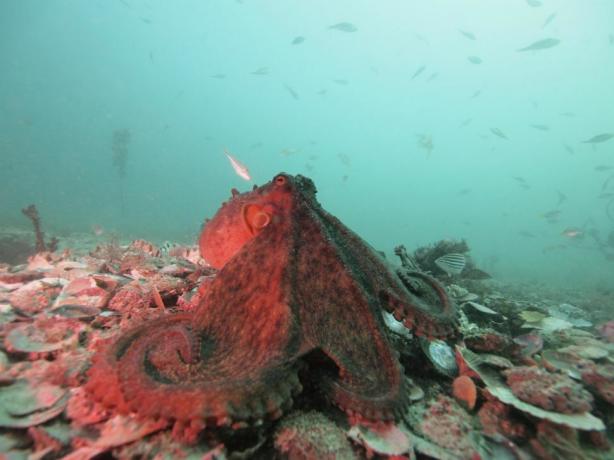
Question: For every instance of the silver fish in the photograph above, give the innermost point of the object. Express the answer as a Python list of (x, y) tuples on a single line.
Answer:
[(469, 35), (541, 127), (418, 72), (261, 71), (603, 167), (599, 138), (497, 132), (293, 93), (344, 27), (452, 263), (298, 40), (548, 20), (541, 45), (475, 59), (534, 3)]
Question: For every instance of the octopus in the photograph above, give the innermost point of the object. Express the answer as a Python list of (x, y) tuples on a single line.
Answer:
[(293, 282)]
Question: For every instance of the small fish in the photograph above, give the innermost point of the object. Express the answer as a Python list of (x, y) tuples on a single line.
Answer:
[(541, 45), (541, 127), (151, 57), (476, 94), (475, 59), (551, 215), (562, 198), (497, 132), (432, 77), (256, 145), (298, 40), (345, 159), (548, 20), (569, 149), (239, 167), (452, 263), (526, 234), (97, 230), (568, 114), (322, 92), (520, 179), (606, 195), (344, 27), (465, 122), (418, 72), (599, 138), (534, 3), (556, 247), (464, 191), (607, 182), (341, 81), (572, 233), (603, 167), (219, 76), (293, 93), (469, 35), (288, 152), (261, 71), (146, 20)]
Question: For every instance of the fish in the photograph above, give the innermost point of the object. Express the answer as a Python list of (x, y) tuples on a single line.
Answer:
[(345, 159), (97, 230), (562, 198), (607, 182), (475, 59), (288, 152), (568, 114), (569, 149), (469, 35), (256, 145), (298, 40), (418, 72), (452, 263), (261, 71), (497, 132), (603, 167), (465, 122), (293, 93), (526, 234), (572, 232), (322, 92), (551, 215), (599, 138), (432, 77), (219, 76), (606, 195), (548, 20), (341, 81), (541, 44), (556, 247), (476, 94), (464, 191), (541, 127), (344, 27), (239, 167), (522, 180), (534, 3), (425, 142)]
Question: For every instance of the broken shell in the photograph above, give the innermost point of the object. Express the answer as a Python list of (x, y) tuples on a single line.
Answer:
[(383, 440)]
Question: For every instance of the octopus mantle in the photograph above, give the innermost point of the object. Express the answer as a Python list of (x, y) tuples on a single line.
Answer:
[(292, 279)]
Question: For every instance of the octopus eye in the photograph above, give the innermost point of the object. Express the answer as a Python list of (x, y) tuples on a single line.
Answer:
[(280, 180)]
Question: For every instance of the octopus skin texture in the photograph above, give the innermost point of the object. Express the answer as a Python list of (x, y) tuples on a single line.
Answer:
[(292, 279)]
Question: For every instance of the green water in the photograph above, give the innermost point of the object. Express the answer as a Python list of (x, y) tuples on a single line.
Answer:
[(190, 78)]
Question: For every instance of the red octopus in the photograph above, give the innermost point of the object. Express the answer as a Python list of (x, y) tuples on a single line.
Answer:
[(292, 279)]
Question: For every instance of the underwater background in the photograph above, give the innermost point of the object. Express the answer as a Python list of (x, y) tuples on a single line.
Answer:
[(417, 120)]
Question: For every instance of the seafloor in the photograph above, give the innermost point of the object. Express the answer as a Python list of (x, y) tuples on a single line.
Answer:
[(531, 376)]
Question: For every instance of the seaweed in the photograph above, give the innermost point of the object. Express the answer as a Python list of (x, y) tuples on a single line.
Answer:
[(120, 143), (32, 213)]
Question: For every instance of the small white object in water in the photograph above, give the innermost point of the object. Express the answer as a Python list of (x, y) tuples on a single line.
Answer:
[(452, 263), (239, 167)]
